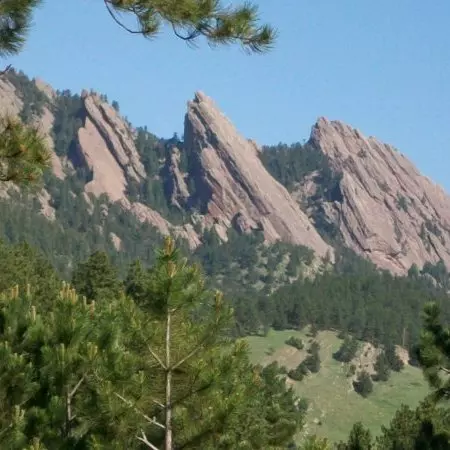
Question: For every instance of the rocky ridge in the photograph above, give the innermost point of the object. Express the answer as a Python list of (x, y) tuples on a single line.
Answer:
[(386, 210), (382, 207), (234, 187)]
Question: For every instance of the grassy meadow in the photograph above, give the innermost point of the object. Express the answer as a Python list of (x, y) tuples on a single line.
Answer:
[(333, 405)]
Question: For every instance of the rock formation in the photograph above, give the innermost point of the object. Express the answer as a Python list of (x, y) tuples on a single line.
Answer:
[(105, 145), (234, 187), (388, 211)]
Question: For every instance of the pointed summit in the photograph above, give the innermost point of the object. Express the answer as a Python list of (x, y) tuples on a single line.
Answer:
[(233, 186)]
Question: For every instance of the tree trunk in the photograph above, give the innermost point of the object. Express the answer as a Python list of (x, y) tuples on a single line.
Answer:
[(168, 441)]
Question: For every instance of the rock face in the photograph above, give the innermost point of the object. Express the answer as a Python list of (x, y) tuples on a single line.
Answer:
[(106, 147), (387, 210), (234, 187), (179, 192)]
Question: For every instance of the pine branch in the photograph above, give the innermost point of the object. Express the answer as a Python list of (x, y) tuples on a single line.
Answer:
[(195, 350), (150, 420), (158, 359), (69, 399), (147, 442), (118, 22)]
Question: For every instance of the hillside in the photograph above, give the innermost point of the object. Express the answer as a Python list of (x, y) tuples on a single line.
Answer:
[(339, 189), (334, 406)]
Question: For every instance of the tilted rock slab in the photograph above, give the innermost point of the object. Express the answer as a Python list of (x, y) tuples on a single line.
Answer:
[(389, 212), (234, 185)]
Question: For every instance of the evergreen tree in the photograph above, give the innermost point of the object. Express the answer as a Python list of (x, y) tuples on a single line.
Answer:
[(425, 428), (395, 363), (433, 352), (191, 19), (347, 350), (381, 367), (359, 439), (205, 392), (15, 23), (23, 153), (363, 385), (53, 356), (97, 278)]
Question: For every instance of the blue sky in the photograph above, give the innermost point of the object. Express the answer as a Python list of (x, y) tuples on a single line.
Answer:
[(383, 67)]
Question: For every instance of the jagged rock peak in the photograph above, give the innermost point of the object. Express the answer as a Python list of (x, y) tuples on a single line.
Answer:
[(235, 187), (389, 211), (106, 146)]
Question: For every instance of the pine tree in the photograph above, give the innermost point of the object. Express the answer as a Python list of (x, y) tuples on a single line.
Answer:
[(433, 352), (425, 428), (57, 362), (23, 152), (363, 385), (359, 438), (192, 19), (205, 393), (381, 367), (97, 278), (395, 363)]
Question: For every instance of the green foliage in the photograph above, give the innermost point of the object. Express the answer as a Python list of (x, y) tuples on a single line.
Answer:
[(310, 364), (363, 384), (382, 368), (402, 203), (54, 353), (423, 428), (359, 439), (191, 19), (97, 278), (439, 272), (371, 305), (433, 352), (67, 121), (86, 375), (32, 97), (23, 153), (392, 358), (315, 443), (292, 165), (16, 17), (295, 342), (347, 351), (20, 265)]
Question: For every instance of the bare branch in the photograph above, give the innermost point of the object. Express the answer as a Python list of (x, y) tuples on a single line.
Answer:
[(77, 386), (147, 418), (156, 357), (444, 370), (147, 442)]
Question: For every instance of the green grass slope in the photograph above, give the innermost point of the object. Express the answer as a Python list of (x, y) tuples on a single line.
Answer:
[(333, 405)]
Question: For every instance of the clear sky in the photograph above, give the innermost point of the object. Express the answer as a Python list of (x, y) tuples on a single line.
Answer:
[(383, 67)]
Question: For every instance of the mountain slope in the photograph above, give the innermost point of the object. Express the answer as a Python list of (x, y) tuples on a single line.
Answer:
[(340, 189), (234, 187), (385, 209)]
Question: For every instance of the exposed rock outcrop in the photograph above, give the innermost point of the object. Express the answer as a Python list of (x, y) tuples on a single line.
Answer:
[(388, 211), (106, 147), (11, 103), (179, 192), (233, 184)]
